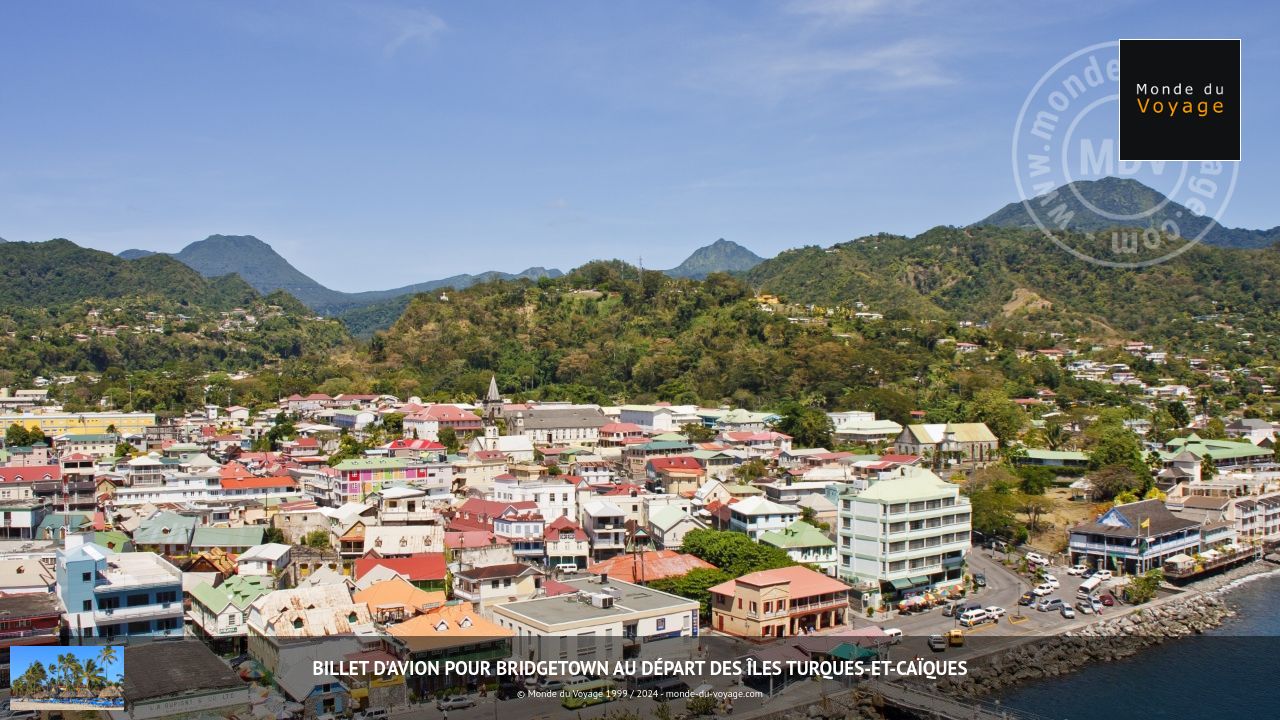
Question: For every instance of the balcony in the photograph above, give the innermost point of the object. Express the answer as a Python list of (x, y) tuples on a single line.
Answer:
[(818, 604), (140, 612)]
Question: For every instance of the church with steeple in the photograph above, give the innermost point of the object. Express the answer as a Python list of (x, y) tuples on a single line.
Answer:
[(492, 402)]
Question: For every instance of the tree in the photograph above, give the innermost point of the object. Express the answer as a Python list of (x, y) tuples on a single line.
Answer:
[(693, 585), (993, 503), (348, 447), (124, 450), (1116, 445), (1056, 435), (393, 424), (1004, 418), (318, 539), (1142, 588), (735, 553), (1035, 480), (697, 432), (1113, 480), (1178, 413), (449, 438), (808, 426), (751, 471), (273, 534), (18, 436)]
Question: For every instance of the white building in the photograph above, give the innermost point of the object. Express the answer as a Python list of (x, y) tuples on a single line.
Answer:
[(599, 620), (908, 531), (757, 515)]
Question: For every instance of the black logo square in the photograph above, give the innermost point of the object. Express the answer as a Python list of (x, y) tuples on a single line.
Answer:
[(1180, 100)]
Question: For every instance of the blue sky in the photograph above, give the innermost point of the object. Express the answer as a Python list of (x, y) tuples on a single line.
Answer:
[(23, 656), (382, 142)]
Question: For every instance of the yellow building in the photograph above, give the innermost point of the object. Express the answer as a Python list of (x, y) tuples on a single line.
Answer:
[(90, 423)]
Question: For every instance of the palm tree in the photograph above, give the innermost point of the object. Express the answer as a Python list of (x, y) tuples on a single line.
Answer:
[(92, 676), (106, 655)]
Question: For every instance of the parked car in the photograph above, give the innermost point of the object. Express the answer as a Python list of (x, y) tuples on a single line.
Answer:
[(1096, 604), (937, 643), (979, 580), (1037, 559), (454, 702), (977, 616), (1107, 599), (1049, 604), (371, 714), (1043, 589), (1090, 572), (995, 611), (1077, 570), (1051, 580), (895, 635), (551, 685), (959, 607), (1027, 598), (1067, 611), (1085, 606), (1104, 574)]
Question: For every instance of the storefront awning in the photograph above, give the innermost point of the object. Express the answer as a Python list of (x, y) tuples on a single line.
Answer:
[(920, 580), (952, 562), (900, 584)]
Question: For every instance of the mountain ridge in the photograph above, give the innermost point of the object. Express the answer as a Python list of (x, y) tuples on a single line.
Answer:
[(720, 256), (1126, 196)]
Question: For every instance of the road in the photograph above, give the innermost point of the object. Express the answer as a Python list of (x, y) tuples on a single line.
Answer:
[(1004, 587)]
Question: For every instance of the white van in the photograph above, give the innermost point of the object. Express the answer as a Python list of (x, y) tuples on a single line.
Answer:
[(566, 568), (974, 617), (371, 714), (895, 635), (1088, 586)]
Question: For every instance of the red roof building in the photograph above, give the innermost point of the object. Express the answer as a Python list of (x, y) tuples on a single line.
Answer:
[(426, 571)]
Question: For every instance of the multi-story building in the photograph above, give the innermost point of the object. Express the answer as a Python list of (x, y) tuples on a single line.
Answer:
[(92, 444), (108, 595), (756, 516), (560, 426), (1133, 538), (566, 544), (361, 477), (221, 612), (605, 524), (779, 603), (57, 423), (601, 618), (27, 619), (805, 544), (493, 584), (555, 496), (908, 533)]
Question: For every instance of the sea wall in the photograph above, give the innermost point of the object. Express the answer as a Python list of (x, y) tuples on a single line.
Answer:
[(1103, 641)]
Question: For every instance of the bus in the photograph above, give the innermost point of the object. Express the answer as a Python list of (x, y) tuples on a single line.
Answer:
[(595, 692), (1088, 586)]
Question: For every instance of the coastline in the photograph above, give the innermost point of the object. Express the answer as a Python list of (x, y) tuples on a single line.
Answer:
[(1200, 606)]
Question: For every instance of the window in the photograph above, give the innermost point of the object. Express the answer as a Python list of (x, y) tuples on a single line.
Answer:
[(662, 623), (86, 577), (88, 605)]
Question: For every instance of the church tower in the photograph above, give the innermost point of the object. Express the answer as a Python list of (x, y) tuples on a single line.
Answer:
[(492, 402)]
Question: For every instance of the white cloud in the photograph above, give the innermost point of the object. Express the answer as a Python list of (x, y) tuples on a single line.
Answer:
[(846, 10)]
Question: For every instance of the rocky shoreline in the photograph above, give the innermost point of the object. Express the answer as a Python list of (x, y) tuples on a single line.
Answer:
[(1200, 607)]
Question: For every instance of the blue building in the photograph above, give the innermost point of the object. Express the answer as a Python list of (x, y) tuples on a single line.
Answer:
[(111, 595)]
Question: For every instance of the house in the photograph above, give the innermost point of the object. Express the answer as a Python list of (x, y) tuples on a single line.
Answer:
[(1251, 430), (1225, 454), (229, 540), (740, 420), (599, 618), (554, 497), (292, 617), (26, 575), (425, 571), (449, 632), (92, 444), (395, 600), (756, 516), (862, 427), (162, 677), (823, 509), (605, 524), (805, 544), (566, 543), (517, 448), (165, 532), (403, 540), (488, 586), (110, 595), (1038, 457), (669, 524), (220, 612), (969, 442), (616, 434), (675, 474), (268, 559), (462, 422), (906, 534), (779, 603), (27, 619), (648, 566), (559, 426), (1133, 538), (354, 420)]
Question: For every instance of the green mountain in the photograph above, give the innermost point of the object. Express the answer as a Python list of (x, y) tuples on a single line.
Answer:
[(1127, 197), (1006, 275), (58, 272), (720, 256), (267, 271), (134, 254)]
